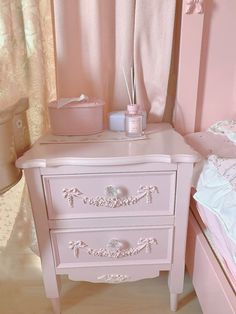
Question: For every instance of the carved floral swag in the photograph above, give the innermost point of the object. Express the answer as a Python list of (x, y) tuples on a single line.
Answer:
[(26, 70)]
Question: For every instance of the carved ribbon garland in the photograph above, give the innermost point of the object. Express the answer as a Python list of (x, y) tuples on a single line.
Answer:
[(113, 248), (112, 202)]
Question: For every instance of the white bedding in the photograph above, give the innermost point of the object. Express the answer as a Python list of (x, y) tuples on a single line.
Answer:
[(215, 176), (217, 192)]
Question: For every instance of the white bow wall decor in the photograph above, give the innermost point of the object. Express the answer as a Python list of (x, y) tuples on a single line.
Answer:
[(194, 6)]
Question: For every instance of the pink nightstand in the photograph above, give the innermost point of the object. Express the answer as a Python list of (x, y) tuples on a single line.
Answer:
[(111, 212)]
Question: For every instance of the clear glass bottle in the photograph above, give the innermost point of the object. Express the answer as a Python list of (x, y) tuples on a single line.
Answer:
[(133, 121)]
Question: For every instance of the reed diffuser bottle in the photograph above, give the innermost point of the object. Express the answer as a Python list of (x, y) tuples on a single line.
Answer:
[(133, 121), (133, 116)]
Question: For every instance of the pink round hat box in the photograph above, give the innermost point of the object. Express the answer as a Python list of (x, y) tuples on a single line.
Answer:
[(76, 117)]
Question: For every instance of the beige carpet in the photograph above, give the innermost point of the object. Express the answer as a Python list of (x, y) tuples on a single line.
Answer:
[(21, 291)]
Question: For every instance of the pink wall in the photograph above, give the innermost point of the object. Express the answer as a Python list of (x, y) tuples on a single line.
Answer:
[(217, 79)]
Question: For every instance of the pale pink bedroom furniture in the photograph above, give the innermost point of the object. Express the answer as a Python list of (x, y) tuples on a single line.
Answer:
[(138, 240), (111, 212)]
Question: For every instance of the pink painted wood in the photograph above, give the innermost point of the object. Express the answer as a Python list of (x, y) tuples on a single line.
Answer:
[(110, 245), (63, 203), (100, 241), (113, 274), (211, 285), (183, 185), (116, 153), (51, 281), (188, 71), (224, 246)]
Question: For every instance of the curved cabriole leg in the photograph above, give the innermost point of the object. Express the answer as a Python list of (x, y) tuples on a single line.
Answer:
[(173, 301), (56, 305)]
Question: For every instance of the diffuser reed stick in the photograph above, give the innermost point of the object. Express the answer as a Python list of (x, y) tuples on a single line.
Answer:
[(132, 84), (127, 86)]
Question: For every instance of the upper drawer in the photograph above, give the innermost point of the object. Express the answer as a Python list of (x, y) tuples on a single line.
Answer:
[(104, 195)]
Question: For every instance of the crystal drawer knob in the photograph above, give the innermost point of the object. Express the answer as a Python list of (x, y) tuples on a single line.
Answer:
[(115, 245), (112, 192)]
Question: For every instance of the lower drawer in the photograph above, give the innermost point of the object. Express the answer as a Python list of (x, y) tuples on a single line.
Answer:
[(111, 274), (112, 246)]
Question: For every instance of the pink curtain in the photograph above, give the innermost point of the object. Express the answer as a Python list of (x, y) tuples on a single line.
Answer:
[(96, 38)]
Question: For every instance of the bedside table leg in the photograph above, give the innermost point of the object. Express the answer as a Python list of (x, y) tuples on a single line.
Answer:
[(56, 305), (173, 301)]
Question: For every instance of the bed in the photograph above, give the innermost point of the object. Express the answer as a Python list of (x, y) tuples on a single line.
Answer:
[(205, 96), (211, 245)]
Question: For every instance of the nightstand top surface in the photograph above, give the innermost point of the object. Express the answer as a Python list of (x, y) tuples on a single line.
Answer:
[(161, 144)]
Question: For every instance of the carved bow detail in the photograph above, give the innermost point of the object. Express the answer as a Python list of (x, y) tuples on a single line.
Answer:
[(76, 245), (70, 194), (148, 190)]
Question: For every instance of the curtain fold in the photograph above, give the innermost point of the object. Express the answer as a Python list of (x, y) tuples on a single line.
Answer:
[(95, 39), (153, 38)]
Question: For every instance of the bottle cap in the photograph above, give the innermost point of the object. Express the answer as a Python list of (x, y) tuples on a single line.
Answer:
[(132, 108)]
